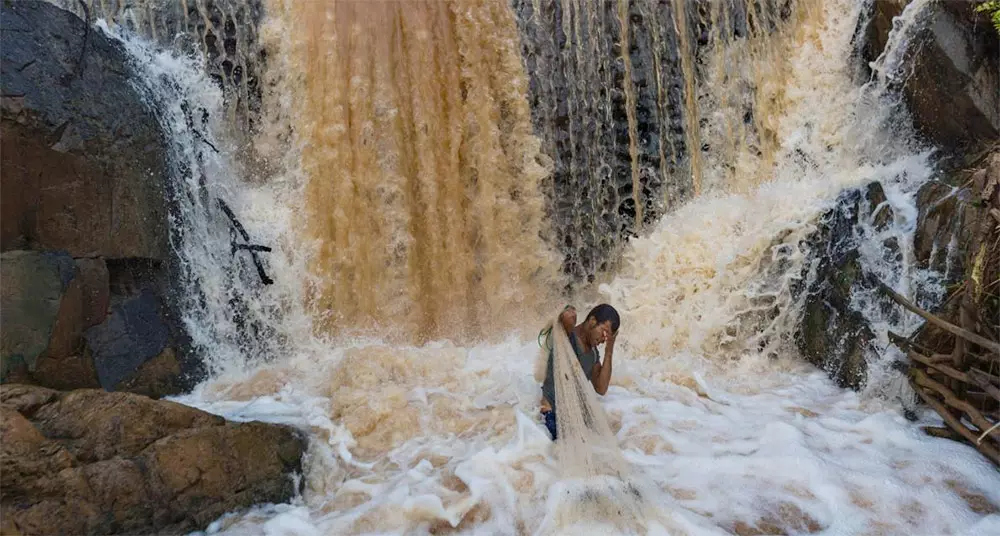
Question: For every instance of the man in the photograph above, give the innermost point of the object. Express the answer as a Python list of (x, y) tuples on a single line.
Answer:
[(600, 327)]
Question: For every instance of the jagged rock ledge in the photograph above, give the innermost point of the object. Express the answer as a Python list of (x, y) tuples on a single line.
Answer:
[(93, 462)]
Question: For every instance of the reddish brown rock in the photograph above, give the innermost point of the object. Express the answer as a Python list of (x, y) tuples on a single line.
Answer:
[(67, 363), (83, 158), (83, 305), (92, 462), (97, 425)]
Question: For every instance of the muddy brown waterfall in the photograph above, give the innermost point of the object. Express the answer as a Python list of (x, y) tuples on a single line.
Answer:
[(454, 151), (422, 172)]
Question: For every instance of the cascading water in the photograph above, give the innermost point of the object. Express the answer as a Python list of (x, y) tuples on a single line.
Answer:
[(408, 197)]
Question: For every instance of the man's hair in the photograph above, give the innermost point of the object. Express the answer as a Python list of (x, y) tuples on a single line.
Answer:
[(605, 312)]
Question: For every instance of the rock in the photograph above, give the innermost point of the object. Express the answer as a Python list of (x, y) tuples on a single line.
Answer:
[(67, 363), (877, 206), (953, 71), (84, 165), (873, 31), (949, 213), (133, 334), (158, 377), (83, 168), (832, 334), (96, 425), (33, 287), (940, 218), (84, 305), (91, 462), (66, 328)]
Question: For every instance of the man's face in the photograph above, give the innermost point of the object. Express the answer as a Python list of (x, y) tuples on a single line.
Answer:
[(598, 332)]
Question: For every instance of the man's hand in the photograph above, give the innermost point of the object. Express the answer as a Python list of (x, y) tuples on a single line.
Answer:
[(609, 339), (568, 318)]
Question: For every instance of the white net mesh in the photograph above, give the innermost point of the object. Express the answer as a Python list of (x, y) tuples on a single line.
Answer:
[(596, 489)]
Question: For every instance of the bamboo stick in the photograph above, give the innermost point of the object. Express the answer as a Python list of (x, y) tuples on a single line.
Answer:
[(954, 424), (943, 324)]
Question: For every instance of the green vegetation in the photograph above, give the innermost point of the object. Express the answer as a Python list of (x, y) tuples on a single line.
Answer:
[(992, 10)]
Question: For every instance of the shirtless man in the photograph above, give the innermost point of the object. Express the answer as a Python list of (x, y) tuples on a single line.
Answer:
[(599, 327)]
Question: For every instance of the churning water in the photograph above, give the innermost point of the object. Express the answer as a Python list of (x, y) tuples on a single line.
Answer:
[(404, 205)]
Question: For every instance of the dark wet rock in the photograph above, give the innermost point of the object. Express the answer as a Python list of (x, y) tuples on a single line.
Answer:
[(833, 335), (952, 91), (873, 31), (84, 176), (33, 287), (223, 32), (940, 219), (950, 213), (132, 335), (92, 462)]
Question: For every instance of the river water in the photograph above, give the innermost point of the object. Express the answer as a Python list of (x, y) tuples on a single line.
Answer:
[(404, 195)]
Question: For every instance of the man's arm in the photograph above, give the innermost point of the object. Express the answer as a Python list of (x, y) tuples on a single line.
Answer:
[(601, 375)]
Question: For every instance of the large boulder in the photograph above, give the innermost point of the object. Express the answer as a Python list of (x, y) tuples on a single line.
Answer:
[(84, 161), (92, 462), (84, 175)]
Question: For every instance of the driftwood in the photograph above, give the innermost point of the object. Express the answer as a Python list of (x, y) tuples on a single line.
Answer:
[(973, 377), (955, 404)]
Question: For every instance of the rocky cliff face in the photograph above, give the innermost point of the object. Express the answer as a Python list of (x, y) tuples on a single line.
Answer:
[(952, 81), (92, 462), (84, 221)]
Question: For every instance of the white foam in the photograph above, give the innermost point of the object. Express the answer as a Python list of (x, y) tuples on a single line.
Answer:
[(790, 448)]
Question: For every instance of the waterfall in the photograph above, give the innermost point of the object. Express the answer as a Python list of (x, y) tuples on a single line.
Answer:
[(422, 172), (416, 167)]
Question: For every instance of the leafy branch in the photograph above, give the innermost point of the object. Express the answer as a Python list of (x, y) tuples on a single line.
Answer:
[(992, 9)]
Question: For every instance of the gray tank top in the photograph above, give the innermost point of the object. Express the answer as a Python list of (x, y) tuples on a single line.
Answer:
[(587, 361)]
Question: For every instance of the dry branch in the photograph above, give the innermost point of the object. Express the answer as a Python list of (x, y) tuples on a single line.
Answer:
[(951, 400), (954, 424), (973, 377), (943, 324)]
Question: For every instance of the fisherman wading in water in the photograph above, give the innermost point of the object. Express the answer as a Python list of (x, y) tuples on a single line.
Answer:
[(600, 327)]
